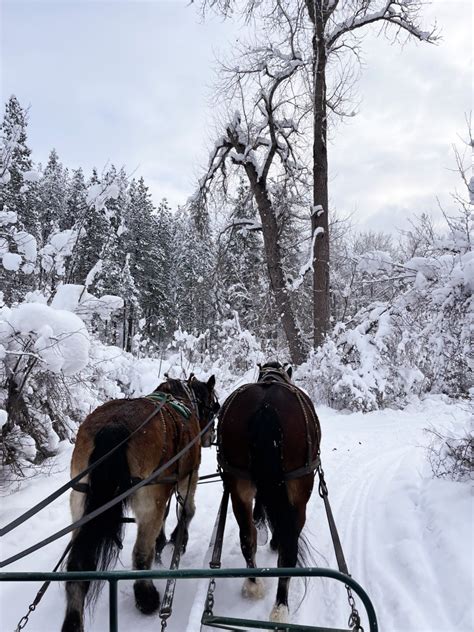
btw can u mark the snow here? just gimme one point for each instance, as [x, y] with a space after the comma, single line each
[406, 536]
[75, 298]
[375, 261]
[7, 217]
[93, 272]
[32, 175]
[317, 210]
[3, 418]
[294, 284]
[60, 338]
[26, 245]
[11, 261]
[59, 246]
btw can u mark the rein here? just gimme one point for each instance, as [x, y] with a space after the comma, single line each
[75, 481]
[97, 512]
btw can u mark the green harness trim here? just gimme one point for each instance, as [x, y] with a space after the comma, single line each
[158, 397]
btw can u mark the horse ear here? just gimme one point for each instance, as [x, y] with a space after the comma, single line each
[166, 375]
[191, 377]
[289, 371]
[259, 365]
[211, 382]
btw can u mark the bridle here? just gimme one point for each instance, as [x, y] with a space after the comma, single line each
[204, 412]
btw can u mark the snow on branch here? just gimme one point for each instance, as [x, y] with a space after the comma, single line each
[403, 14]
[294, 284]
[247, 225]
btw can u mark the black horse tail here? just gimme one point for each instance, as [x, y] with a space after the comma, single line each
[96, 544]
[272, 496]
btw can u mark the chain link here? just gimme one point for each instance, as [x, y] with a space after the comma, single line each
[323, 488]
[24, 620]
[210, 598]
[354, 617]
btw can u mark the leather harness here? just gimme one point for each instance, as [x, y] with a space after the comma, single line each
[270, 377]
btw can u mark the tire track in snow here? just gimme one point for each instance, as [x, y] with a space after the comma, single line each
[399, 572]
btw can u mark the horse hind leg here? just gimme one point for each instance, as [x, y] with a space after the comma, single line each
[149, 506]
[75, 591]
[242, 495]
[287, 558]
[161, 540]
[288, 542]
[187, 491]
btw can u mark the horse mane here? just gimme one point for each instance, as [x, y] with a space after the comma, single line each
[173, 387]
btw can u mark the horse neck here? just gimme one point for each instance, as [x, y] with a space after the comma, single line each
[274, 375]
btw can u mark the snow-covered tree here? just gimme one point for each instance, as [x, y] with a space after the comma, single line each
[320, 40]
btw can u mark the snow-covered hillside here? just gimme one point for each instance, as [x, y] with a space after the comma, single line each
[407, 536]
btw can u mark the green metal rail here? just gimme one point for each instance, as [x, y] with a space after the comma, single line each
[227, 623]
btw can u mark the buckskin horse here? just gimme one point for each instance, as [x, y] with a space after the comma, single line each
[182, 410]
[268, 438]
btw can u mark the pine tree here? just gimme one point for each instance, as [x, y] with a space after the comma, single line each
[142, 245]
[19, 195]
[53, 196]
[160, 310]
[241, 265]
[194, 291]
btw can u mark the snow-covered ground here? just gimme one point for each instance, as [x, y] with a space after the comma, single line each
[407, 537]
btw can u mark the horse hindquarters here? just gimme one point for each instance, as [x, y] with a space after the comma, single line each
[97, 543]
[267, 473]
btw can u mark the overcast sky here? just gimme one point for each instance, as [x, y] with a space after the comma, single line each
[129, 82]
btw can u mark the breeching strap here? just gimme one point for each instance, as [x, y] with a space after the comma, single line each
[59, 492]
[97, 512]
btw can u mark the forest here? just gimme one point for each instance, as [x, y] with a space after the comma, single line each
[99, 278]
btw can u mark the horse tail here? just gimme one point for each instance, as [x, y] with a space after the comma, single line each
[267, 474]
[97, 543]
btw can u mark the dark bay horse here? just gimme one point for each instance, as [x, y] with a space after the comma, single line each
[268, 449]
[97, 543]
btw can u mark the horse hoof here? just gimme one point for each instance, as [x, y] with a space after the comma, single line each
[253, 588]
[147, 598]
[279, 614]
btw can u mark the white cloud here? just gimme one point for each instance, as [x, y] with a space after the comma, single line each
[129, 82]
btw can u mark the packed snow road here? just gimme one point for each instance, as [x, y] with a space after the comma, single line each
[407, 537]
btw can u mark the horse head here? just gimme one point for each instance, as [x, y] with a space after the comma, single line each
[275, 371]
[199, 396]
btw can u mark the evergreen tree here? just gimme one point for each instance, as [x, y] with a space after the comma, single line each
[53, 196]
[160, 311]
[241, 269]
[99, 237]
[19, 194]
[194, 276]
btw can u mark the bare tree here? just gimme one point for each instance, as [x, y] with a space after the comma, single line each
[327, 37]
[262, 140]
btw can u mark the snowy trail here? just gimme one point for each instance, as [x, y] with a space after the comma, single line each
[407, 537]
